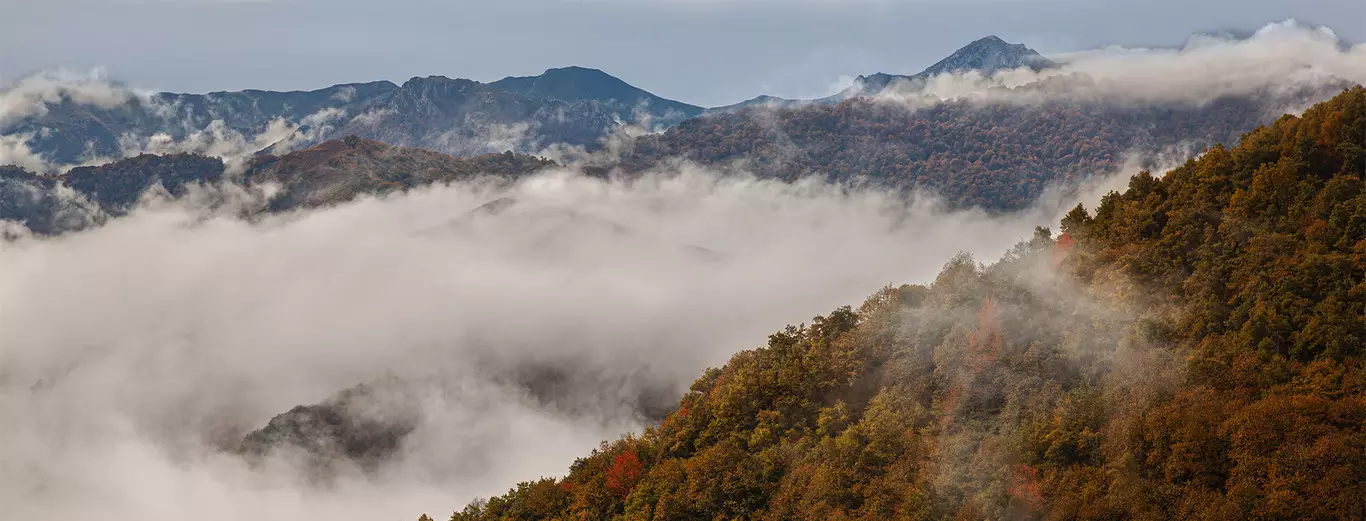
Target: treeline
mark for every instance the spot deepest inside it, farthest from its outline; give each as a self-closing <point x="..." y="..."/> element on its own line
<point x="1191" y="349"/>
<point x="997" y="156"/>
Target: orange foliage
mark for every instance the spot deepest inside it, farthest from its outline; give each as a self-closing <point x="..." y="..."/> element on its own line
<point x="624" y="473"/>
<point x="1024" y="487"/>
<point x="1062" y="248"/>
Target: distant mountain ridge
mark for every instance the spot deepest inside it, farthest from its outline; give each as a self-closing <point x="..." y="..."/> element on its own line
<point x="329" y="173"/>
<point x="987" y="55"/>
<point x="572" y="105"/>
<point x="994" y="156"/>
<point x="340" y="170"/>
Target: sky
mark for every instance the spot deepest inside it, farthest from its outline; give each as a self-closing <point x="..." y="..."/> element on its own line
<point x="705" y="52"/>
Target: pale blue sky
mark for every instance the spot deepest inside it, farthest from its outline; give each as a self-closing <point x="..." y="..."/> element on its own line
<point x="706" y="52"/>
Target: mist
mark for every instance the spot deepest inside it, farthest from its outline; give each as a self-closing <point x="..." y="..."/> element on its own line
<point x="1287" y="65"/>
<point x="1284" y="61"/>
<point x="139" y="352"/>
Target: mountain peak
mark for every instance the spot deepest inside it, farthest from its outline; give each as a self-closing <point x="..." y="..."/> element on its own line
<point x="574" y="83"/>
<point x="419" y="81"/>
<point x="575" y="70"/>
<point x="571" y="83"/>
<point x="988" y="55"/>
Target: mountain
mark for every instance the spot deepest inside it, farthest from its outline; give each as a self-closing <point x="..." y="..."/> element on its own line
<point x="362" y="425"/>
<point x="329" y="173"/>
<point x="69" y="132"/>
<point x="33" y="202"/>
<point x="987" y="56"/>
<point x="88" y="196"/>
<point x="465" y="117"/>
<point x="340" y="170"/>
<point x="116" y="187"/>
<point x="573" y="105"/>
<point x="1192" y="349"/>
<point x="574" y="84"/>
<point x="995" y="156"/>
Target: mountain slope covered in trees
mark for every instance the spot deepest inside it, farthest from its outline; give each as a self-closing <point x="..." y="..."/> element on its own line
<point x="343" y="169"/>
<point x="1192" y="349"/>
<point x="329" y="173"/>
<point x="993" y="155"/>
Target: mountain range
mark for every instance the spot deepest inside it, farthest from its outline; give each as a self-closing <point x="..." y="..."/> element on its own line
<point x="998" y="156"/>
<point x="573" y="105"/>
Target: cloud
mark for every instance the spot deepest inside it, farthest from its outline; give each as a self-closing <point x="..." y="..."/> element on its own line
<point x="232" y="146"/>
<point x="373" y="116"/>
<point x="1282" y="60"/>
<point x="14" y="150"/>
<point x="136" y="350"/>
<point x="31" y="95"/>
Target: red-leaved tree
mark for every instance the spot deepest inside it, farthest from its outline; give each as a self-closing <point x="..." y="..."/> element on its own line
<point x="624" y="473"/>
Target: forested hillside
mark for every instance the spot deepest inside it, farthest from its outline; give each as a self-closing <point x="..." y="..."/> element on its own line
<point x="998" y="156"/>
<point x="1191" y="349"/>
<point x="329" y="173"/>
<point x="343" y="169"/>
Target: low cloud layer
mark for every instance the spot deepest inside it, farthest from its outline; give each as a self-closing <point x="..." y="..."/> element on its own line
<point x="137" y="351"/>
<point x="1282" y="60"/>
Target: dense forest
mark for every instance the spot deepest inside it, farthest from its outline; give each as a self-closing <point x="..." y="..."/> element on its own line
<point x="1190" y="349"/>
<point x="998" y="156"/>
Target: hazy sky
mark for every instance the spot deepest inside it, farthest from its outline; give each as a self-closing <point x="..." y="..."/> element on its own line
<point x="706" y="52"/>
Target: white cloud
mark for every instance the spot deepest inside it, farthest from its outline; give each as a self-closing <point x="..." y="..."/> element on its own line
<point x="14" y="150"/>
<point x="133" y="349"/>
<point x="31" y="95"/>
<point x="234" y="147"/>
<point x="1280" y="59"/>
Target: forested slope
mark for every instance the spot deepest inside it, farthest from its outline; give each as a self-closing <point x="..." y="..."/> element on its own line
<point x="996" y="155"/>
<point x="1192" y="349"/>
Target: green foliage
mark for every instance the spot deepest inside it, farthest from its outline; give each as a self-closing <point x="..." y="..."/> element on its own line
<point x="1192" y="350"/>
